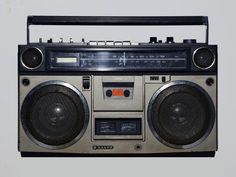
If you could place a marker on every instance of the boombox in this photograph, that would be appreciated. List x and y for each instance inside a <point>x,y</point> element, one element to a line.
<point>117,98</point>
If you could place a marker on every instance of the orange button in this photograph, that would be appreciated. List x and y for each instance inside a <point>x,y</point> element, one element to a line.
<point>117,92</point>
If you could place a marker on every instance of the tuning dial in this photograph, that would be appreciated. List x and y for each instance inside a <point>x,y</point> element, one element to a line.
<point>170,40</point>
<point>189,41</point>
<point>153,40</point>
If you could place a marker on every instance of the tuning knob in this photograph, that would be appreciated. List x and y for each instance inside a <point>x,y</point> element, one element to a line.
<point>189,41</point>
<point>153,40</point>
<point>170,40</point>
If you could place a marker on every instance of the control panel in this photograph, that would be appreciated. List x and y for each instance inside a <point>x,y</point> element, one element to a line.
<point>107,60</point>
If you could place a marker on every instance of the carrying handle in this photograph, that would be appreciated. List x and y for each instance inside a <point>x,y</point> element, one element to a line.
<point>118,21</point>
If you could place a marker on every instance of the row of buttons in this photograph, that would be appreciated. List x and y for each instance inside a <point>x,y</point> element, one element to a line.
<point>95,147</point>
<point>153,40</point>
<point>117,43</point>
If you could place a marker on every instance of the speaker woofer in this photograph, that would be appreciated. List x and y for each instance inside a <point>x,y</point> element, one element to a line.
<point>32,58</point>
<point>181,114</point>
<point>54,114</point>
<point>203,58</point>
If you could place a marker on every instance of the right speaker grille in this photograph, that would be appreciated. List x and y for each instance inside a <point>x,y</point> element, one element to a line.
<point>181,114</point>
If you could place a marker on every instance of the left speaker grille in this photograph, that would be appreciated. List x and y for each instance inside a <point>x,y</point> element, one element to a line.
<point>54,114</point>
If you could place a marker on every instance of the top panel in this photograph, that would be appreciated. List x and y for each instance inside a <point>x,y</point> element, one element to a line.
<point>142,58</point>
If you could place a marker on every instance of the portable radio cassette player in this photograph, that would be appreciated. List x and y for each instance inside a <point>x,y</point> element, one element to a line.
<point>117,98</point>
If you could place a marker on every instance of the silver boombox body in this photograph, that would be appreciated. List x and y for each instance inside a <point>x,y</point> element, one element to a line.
<point>150,99</point>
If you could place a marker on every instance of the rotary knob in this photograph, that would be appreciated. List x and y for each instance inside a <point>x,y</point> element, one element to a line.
<point>189,41</point>
<point>170,40</point>
<point>153,40</point>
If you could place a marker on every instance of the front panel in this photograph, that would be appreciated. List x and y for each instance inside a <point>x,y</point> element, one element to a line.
<point>116,132</point>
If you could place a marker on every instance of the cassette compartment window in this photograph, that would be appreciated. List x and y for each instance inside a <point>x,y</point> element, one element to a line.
<point>118,126</point>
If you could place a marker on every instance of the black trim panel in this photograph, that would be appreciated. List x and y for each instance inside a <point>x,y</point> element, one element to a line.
<point>181,154</point>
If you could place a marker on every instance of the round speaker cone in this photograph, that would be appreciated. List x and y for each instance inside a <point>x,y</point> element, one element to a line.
<point>203,58</point>
<point>54,114</point>
<point>181,114</point>
<point>32,58</point>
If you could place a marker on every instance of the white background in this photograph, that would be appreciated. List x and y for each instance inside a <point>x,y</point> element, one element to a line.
<point>13,15</point>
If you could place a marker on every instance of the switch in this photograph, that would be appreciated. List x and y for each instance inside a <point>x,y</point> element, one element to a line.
<point>118,43</point>
<point>61,40</point>
<point>93,43</point>
<point>163,79</point>
<point>170,40</point>
<point>86,82</point>
<point>101,43</point>
<point>50,40</point>
<point>126,43</point>
<point>71,40</point>
<point>109,42</point>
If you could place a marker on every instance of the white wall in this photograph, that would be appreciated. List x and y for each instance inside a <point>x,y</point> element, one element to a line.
<point>13,15</point>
